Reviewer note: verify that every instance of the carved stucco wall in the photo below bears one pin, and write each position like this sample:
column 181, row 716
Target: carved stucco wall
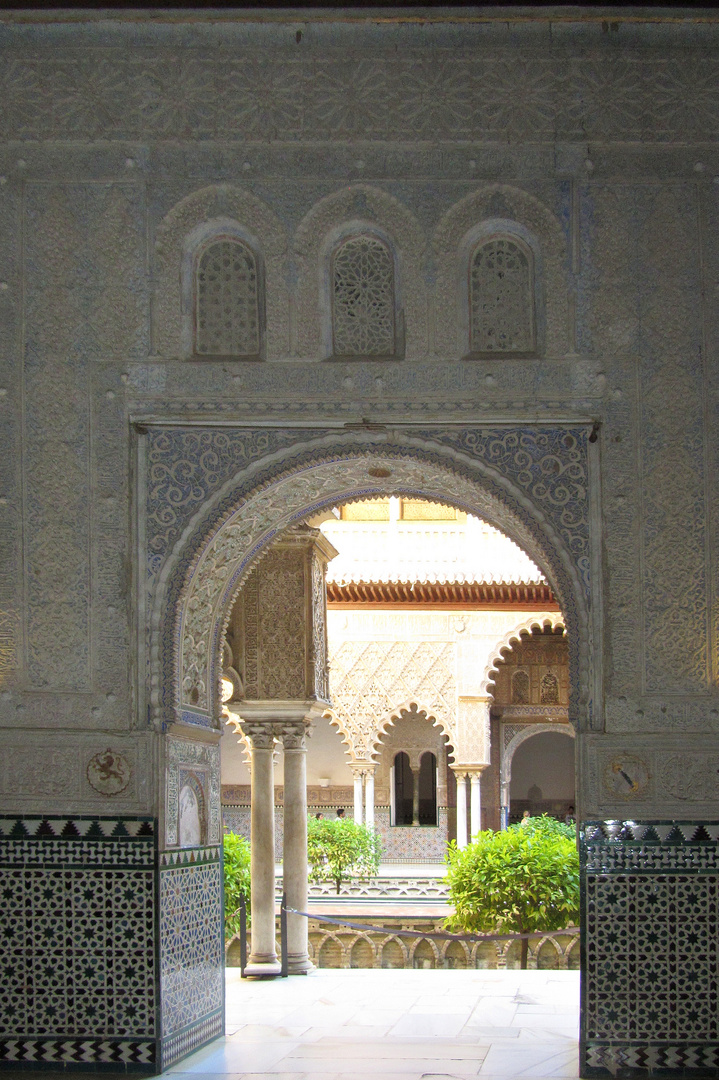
column 639, row 246
column 608, row 137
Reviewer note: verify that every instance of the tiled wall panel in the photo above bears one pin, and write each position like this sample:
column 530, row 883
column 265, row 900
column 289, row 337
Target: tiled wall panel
column 192, row 957
column 650, row 923
column 78, row 928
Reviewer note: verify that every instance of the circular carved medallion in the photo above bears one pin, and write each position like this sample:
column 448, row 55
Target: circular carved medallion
column 109, row 772
column 626, row 776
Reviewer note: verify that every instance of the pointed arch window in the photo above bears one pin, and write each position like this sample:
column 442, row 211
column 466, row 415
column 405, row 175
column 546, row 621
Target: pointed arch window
column 363, row 298
column 501, row 297
column 227, row 300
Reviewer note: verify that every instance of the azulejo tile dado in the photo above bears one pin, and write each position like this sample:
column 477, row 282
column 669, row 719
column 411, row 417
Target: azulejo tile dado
column 191, row 950
column 78, row 925
column 650, row 924
column 182, row 1043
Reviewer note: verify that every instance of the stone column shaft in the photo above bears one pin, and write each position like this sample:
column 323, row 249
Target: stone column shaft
column 358, row 798
column 369, row 799
column 263, row 953
column 504, row 804
column 475, row 805
column 415, row 796
column 295, row 849
column 461, row 811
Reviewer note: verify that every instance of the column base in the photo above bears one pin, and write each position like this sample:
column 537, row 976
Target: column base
column 299, row 965
column 263, row 967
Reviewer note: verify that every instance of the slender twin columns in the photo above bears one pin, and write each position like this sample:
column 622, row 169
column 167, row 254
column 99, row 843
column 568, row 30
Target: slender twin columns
column 263, row 735
column 278, row 629
column 363, row 792
column 467, row 829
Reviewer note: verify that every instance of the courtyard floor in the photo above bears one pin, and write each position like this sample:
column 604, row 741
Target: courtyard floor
column 413, row 1025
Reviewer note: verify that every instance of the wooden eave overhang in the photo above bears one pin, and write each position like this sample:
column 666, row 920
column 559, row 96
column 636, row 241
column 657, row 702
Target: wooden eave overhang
column 455, row 594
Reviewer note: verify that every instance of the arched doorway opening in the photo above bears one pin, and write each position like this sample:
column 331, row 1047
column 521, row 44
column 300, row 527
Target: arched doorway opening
column 194, row 584
column 542, row 777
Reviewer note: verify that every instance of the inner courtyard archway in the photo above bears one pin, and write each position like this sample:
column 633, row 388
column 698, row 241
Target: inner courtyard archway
column 522, row 482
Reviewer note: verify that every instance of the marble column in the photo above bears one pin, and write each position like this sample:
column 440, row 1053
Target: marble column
column 475, row 805
column 358, row 784
column 461, row 810
column 415, row 796
column 295, row 845
column 263, row 959
column 369, row 798
column 504, row 804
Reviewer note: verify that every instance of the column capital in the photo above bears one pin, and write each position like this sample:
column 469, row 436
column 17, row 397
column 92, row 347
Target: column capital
column 261, row 736
column 362, row 768
column 294, row 733
column 475, row 771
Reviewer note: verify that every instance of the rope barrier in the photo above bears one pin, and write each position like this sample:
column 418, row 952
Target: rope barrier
column 437, row 934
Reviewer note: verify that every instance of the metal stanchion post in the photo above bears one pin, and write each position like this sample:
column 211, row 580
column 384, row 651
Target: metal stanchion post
column 243, row 937
column 283, row 937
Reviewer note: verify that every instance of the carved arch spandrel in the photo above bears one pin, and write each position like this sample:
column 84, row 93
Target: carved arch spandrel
column 211, row 210
column 347, row 212
column 197, row 583
column 498, row 209
column 553, row 619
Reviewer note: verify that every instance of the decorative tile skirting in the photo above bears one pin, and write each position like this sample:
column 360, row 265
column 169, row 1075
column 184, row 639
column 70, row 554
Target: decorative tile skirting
column 191, row 950
column 78, row 929
column 650, row 922
column 191, row 1038
column 646, row 1059
column 46, row 1053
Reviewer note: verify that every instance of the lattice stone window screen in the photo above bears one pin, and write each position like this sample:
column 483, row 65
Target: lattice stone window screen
column 500, row 298
column 363, row 298
column 228, row 319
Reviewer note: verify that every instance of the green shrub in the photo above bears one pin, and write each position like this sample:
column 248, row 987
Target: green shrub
column 523, row 880
column 339, row 850
column 236, row 880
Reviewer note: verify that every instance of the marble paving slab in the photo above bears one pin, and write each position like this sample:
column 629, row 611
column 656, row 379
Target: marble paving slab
column 412, row 1025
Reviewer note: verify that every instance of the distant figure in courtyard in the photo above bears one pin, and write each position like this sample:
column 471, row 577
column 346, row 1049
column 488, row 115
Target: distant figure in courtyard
column 319, row 817
column 341, row 812
column 569, row 816
column 525, row 817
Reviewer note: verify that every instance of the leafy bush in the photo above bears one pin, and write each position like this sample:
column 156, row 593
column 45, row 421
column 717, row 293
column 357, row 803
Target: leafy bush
column 339, row 850
column 523, row 880
column 237, row 881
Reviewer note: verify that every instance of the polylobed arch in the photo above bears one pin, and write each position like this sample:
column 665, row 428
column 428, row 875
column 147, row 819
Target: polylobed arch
column 552, row 619
column 409, row 710
column 197, row 584
column 343, row 732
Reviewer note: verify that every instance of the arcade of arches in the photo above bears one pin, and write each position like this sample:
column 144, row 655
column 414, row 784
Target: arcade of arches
column 461, row 261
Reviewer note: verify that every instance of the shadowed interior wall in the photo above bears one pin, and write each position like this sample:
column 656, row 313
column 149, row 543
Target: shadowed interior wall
column 589, row 145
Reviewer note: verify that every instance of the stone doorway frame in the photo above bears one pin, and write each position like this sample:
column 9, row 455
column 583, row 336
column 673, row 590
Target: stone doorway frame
column 537, row 484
